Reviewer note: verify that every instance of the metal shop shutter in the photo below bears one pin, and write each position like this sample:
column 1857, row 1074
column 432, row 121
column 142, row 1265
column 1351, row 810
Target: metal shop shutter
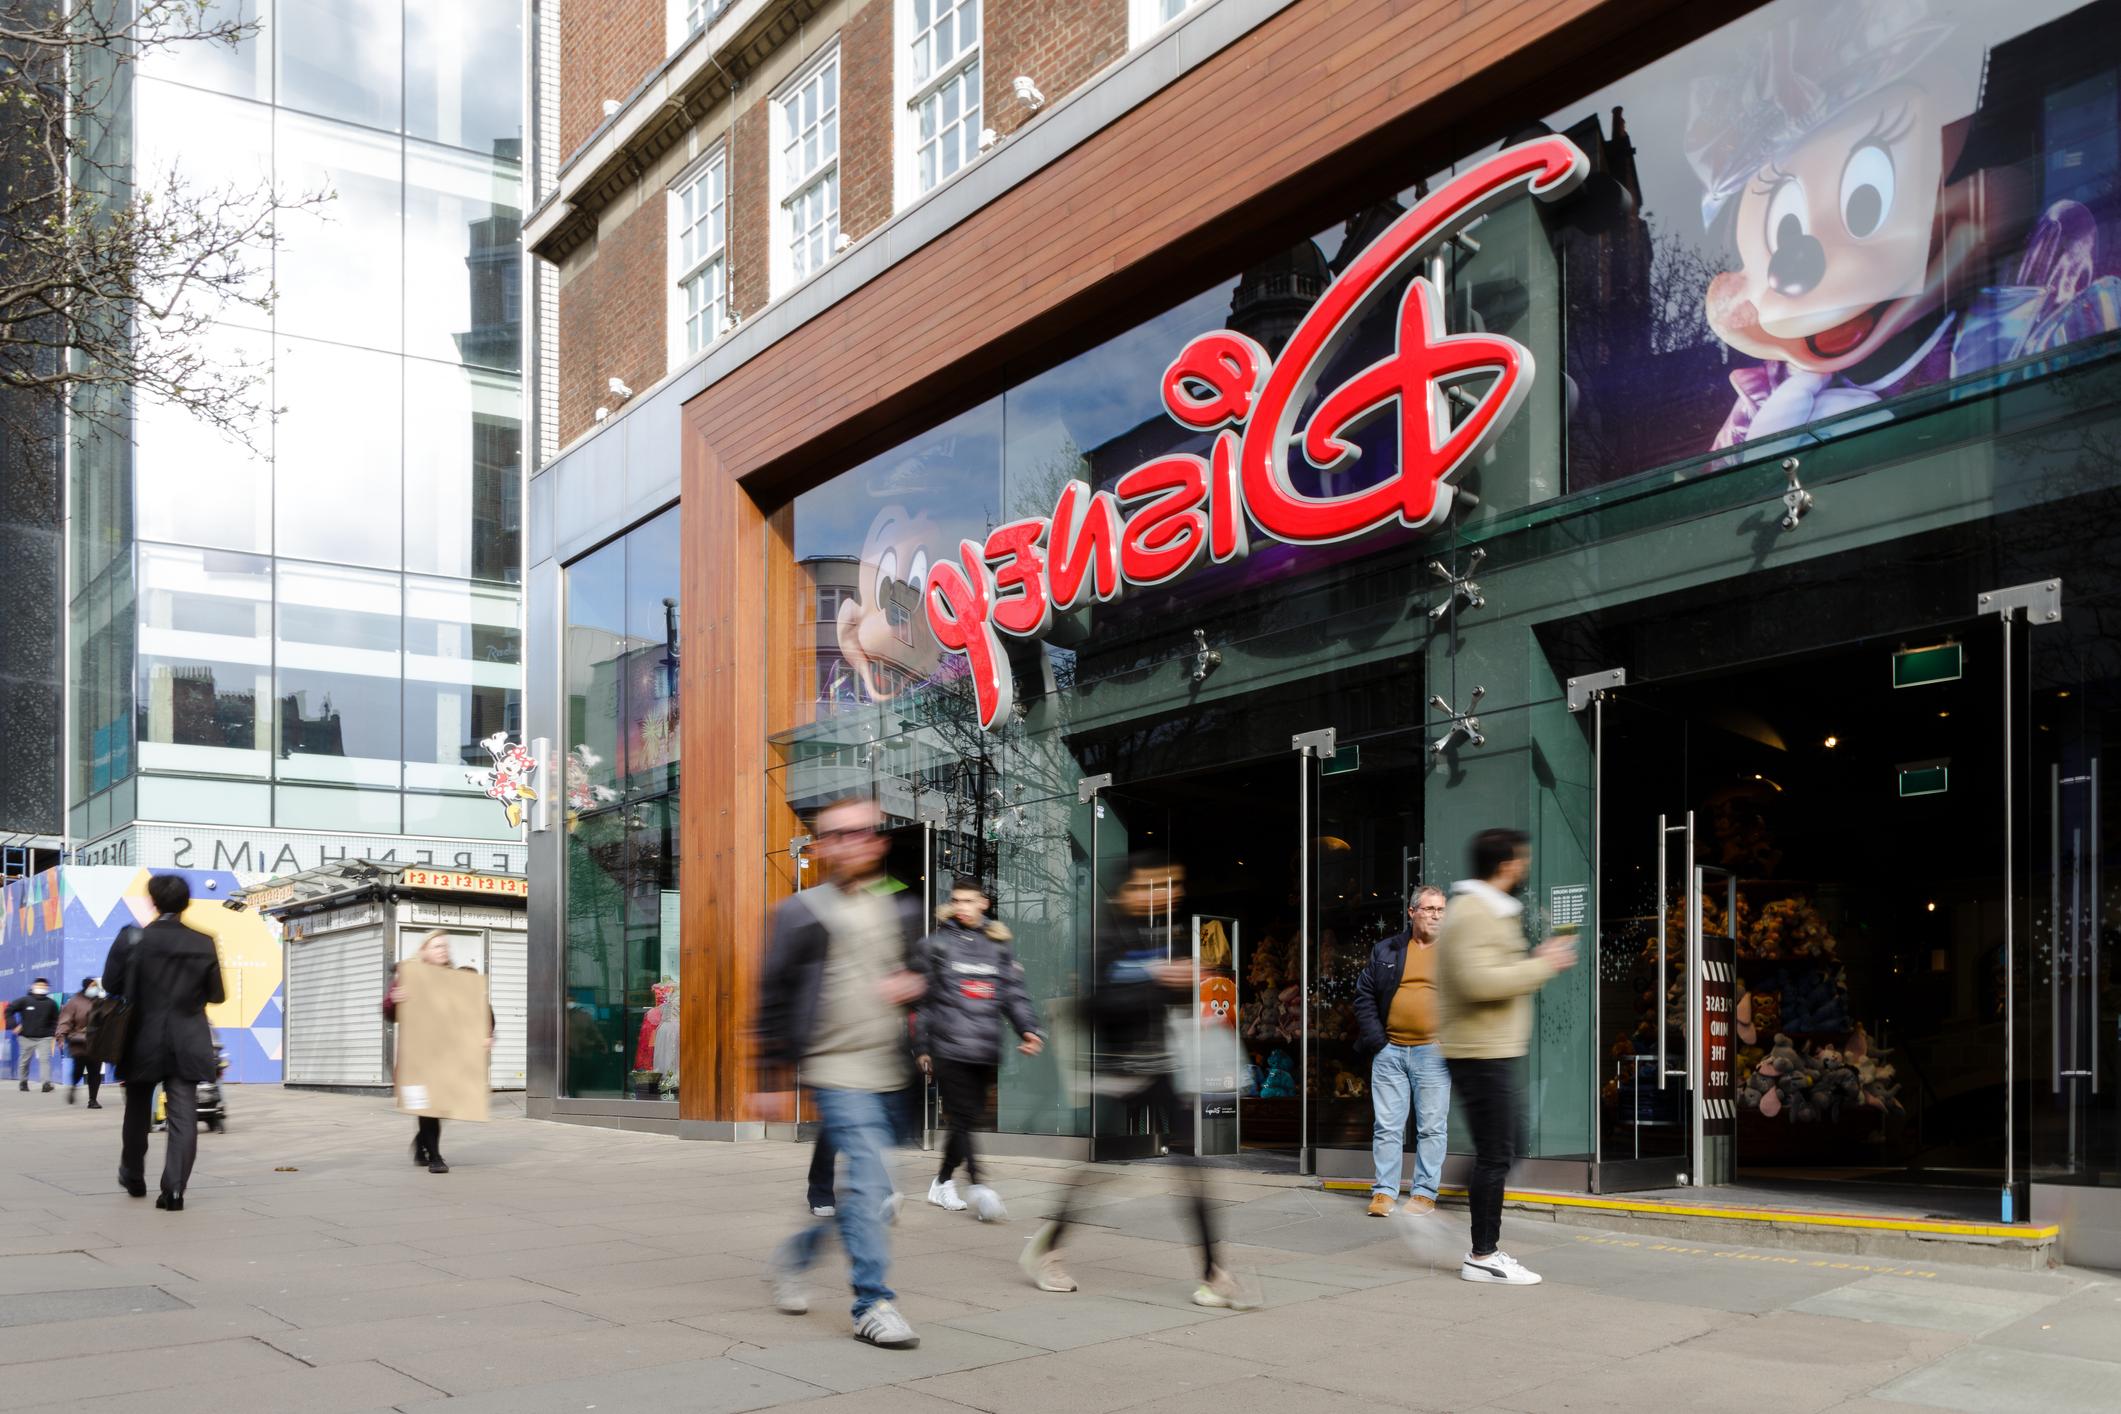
column 508, row 989
column 335, row 1009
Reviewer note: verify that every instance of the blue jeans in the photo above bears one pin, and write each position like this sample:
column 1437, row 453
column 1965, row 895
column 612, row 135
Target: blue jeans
column 1398, row 1075
column 857, row 1125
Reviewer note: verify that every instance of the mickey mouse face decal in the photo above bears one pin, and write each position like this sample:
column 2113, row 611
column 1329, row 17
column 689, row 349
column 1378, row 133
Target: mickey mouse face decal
column 883, row 630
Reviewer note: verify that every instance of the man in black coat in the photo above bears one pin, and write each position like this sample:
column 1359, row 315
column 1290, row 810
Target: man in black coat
column 169, row 974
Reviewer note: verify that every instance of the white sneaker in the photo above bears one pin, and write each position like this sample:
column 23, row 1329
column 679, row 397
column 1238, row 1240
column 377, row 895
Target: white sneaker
column 987, row 1205
column 789, row 1297
column 887, row 1211
column 943, row 1193
column 1042, row 1264
column 1498, row 1267
column 823, row 1210
column 1226, row 1291
column 882, row 1325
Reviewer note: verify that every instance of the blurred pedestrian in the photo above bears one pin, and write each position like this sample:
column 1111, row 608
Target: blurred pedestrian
column 1395, row 1016
column 974, row 984
column 833, row 997
column 1485, row 980
column 170, row 974
column 32, row 1018
column 72, row 1036
column 427, row 1135
column 1134, row 989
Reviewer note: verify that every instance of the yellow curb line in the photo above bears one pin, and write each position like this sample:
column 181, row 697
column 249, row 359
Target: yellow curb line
column 1752, row 1215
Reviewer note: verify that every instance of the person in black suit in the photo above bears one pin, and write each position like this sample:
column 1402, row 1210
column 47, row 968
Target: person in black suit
column 169, row 974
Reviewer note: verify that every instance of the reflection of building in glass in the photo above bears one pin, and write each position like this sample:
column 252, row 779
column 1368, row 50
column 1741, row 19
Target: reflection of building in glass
column 315, row 633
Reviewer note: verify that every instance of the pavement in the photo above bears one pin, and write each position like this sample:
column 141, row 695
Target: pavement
column 564, row 1268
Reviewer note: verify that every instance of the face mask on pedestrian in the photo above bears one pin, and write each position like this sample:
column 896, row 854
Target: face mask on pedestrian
column 39, row 991
column 95, row 991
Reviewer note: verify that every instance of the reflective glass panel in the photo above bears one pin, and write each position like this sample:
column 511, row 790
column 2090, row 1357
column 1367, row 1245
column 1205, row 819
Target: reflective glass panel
column 462, row 65
column 195, row 484
column 337, row 681
column 650, row 674
column 205, row 661
column 343, row 58
column 463, row 263
column 463, row 472
column 336, row 468
column 463, row 680
column 339, row 269
column 595, row 650
column 243, row 68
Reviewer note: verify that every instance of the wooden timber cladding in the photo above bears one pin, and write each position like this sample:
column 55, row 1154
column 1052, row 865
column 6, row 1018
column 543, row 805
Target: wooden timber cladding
column 1258, row 146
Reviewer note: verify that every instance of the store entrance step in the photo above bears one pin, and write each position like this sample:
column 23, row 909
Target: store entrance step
column 1728, row 1216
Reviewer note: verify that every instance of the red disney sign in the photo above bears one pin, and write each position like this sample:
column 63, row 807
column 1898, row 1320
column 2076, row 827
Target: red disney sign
column 1183, row 506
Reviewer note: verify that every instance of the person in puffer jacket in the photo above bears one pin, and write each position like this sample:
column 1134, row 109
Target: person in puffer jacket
column 974, row 984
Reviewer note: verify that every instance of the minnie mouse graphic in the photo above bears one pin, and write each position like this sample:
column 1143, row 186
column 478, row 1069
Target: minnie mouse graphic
column 1869, row 222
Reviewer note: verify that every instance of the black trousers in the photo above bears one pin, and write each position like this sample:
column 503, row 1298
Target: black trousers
column 430, row 1137
column 181, row 1134
column 1160, row 1097
column 1489, row 1092
column 963, row 1086
column 822, row 1157
column 92, row 1072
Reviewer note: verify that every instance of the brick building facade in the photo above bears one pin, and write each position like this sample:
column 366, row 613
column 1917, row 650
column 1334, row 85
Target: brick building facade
column 642, row 100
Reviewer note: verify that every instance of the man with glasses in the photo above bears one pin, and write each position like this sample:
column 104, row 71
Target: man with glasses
column 834, row 994
column 1395, row 1012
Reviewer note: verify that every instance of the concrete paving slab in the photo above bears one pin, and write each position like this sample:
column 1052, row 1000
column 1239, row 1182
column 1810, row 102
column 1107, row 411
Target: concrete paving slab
column 1333, row 1271
column 846, row 1364
column 1301, row 1334
column 2086, row 1323
column 1986, row 1379
column 342, row 1389
column 441, row 1330
column 66, row 1340
column 31, row 1308
column 427, row 1299
column 1067, row 1320
column 1274, row 1290
column 510, row 1362
column 231, row 1362
column 1118, row 1374
column 1931, row 1305
column 889, row 1399
column 537, row 1260
column 720, row 1386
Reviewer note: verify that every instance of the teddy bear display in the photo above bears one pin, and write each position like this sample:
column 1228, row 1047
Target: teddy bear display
column 1818, row 1085
column 1279, row 1082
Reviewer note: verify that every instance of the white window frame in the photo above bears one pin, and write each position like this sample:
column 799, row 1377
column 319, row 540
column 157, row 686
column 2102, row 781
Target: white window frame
column 1145, row 19
column 685, row 18
column 712, row 260
column 911, row 91
column 790, row 188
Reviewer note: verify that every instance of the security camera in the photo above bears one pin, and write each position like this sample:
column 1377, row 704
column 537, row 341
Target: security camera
column 1027, row 92
column 611, row 107
column 986, row 138
column 618, row 388
column 843, row 242
column 602, row 413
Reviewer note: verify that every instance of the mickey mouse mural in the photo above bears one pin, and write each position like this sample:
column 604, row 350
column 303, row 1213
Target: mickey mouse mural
column 1888, row 226
column 883, row 632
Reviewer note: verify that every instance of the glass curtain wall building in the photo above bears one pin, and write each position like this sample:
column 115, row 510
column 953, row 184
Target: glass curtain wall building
column 319, row 632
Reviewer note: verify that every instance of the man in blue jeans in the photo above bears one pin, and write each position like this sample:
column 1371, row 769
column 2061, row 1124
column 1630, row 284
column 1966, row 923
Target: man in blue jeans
column 834, row 996
column 1395, row 1009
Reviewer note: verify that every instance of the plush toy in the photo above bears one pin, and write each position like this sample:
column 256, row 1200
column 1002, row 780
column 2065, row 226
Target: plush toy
column 1218, row 1000
column 1280, row 1081
column 1347, row 1085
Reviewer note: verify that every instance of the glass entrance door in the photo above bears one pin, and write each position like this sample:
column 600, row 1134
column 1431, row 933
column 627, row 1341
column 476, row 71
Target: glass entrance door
column 1649, row 918
column 1139, row 885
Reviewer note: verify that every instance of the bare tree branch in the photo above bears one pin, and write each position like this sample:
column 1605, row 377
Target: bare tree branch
column 112, row 278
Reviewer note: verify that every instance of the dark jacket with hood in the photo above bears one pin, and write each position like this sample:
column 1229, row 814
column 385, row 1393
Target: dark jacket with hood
column 974, row 983
column 793, row 980
column 1128, row 1008
column 171, row 974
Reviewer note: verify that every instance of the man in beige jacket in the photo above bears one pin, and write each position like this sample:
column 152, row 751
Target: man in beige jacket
column 1485, row 979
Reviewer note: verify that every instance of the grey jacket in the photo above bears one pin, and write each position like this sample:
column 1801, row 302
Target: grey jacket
column 974, row 984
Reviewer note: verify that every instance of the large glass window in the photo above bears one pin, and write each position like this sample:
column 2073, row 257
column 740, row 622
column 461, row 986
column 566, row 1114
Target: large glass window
column 807, row 172
column 453, row 53
column 205, row 661
column 344, row 58
column 196, row 485
column 463, row 472
column 622, row 645
column 338, row 444
column 338, row 686
column 463, row 262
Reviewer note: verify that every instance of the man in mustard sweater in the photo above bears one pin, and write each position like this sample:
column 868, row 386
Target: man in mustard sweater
column 1484, row 984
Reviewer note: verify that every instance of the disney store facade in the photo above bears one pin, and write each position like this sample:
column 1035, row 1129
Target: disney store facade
column 1716, row 474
